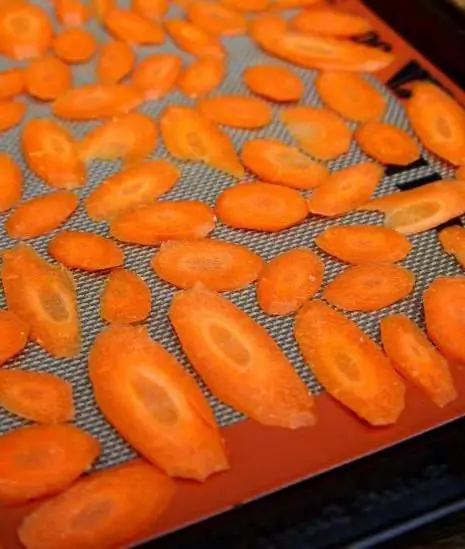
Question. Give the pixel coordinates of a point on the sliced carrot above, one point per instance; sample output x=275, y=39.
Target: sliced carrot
x=11, y=114
x=274, y=82
x=85, y=251
x=156, y=75
x=237, y=111
x=12, y=83
x=150, y=9
x=359, y=244
x=292, y=4
x=51, y=154
x=202, y=77
x=47, y=78
x=11, y=188
x=251, y=6
x=261, y=207
x=276, y=162
x=289, y=280
x=13, y=335
x=439, y=121
x=75, y=45
x=221, y=266
x=72, y=13
x=99, y=510
x=453, y=242
x=331, y=22
x=417, y=359
x=156, y=223
x=42, y=460
x=126, y=298
x=154, y=404
x=134, y=186
x=351, y=96
x=194, y=40
x=130, y=27
x=345, y=190
x=460, y=173
x=216, y=19
x=239, y=361
x=102, y=8
x=264, y=27
x=188, y=135
x=115, y=62
x=349, y=365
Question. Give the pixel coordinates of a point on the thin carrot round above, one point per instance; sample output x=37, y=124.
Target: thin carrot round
x=237, y=111
x=452, y=240
x=11, y=114
x=115, y=62
x=12, y=83
x=202, y=77
x=13, y=333
x=156, y=75
x=12, y=183
x=150, y=9
x=193, y=40
x=126, y=298
x=331, y=22
x=216, y=19
x=75, y=45
x=130, y=27
x=47, y=78
x=274, y=82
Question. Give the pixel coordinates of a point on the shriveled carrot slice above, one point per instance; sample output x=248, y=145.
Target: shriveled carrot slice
x=369, y=287
x=453, y=242
x=154, y=404
x=438, y=121
x=188, y=135
x=42, y=460
x=102, y=8
x=331, y=22
x=155, y=223
x=359, y=244
x=47, y=78
x=134, y=186
x=261, y=207
x=274, y=82
x=115, y=62
x=72, y=13
x=251, y=6
x=349, y=365
x=11, y=114
x=288, y=281
x=345, y=190
x=421, y=209
x=193, y=39
x=216, y=19
x=276, y=162
x=350, y=95
x=221, y=266
x=12, y=83
x=12, y=183
x=130, y=27
x=126, y=298
x=51, y=154
x=202, y=77
x=85, y=251
x=150, y=9
x=156, y=75
x=460, y=173
x=75, y=45
x=235, y=356
x=13, y=335
x=237, y=111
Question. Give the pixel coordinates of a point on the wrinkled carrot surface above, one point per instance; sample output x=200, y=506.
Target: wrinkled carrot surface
x=130, y=27
x=72, y=13
x=216, y=19
x=11, y=114
x=115, y=62
x=453, y=242
x=12, y=83
x=12, y=183
x=13, y=335
x=156, y=75
x=194, y=40
x=150, y=9
x=237, y=111
x=330, y=22
x=274, y=82
x=47, y=78
x=202, y=77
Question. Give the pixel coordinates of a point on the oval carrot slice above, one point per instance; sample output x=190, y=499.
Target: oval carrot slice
x=155, y=223
x=126, y=298
x=47, y=78
x=345, y=190
x=351, y=96
x=331, y=22
x=130, y=27
x=261, y=207
x=318, y=132
x=194, y=40
x=150, y=9
x=134, y=186
x=101, y=8
x=189, y=135
x=216, y=19
x=36, y=396
x=369, y=287
x=274, y=82
x=11, y=188
x=349, y=365
x=115, y=62
x=74, y=45
x=42, y=460
x=251, y=6
x=156, y=75
x=72, y=13
x=137, y=383
x=276, y=162
x=234, y=356
x=289, y=280
x=237, y=111
x=11, y=114
x=202, y=77
x=358, y=244
x=12, y=83
x=13, y=335
x=453, y=242
x=221, y=266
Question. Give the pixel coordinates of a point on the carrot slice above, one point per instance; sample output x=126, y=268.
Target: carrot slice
x=156, y=75
x=359, y=244
x=150, y=9
x=42, y=460
x=115, y=62
x=154, y=404
x=345, y=190
x=194, y=40
x=351, y=96
x=12, y=83
x=13, y=335
x=261, y=207
x=453, y=242
x=235, y=356
x=12, y=183
x=189, y=135
x=202, y=77
x=130, y=27
x=99, y=510
x=51, y=154
x=85, y=251
x=126, y=298
x=460, y=173
x=331, y=22
x=47, y=78
x=75, y=45
x=155, y=223
x=292, y=4
x=71, y=13
x=274, y=82
x=11, y=114
x=221, y=266
x=369, y=287
x=289, y=280
x=216, y=19
x=439, y=122
x=421, y=209
x=251, y=6
x=276, y=162
x=102, y=8
x=349, y=365
x=237, y=111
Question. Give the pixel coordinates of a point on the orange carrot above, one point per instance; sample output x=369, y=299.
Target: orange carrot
x=130, y=27
x=47, y=78
x=150, y=9
x=331, y=22
x=202, y=77
x=12, y=83
x=453, y=242
x=460, y=173
x=216, y=19
x=274, y=82
x=292, y=4
x=101, y=8
x=115, y=62
x=250, y=6
x=11, y=114
x=237, y=111
x=194, y=40
x=156, y=75
x=72, y=13
x=12, y=183
x=13, y=335
x=126, y=298
x=75, y=45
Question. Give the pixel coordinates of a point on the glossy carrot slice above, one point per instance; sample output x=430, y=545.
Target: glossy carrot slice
x=72, y=13
x=115, y=62
x=75, y=45
x=349, y=365
x=150, y=9
x=276, y=162
x=156, y=223
x=156, y=75
x=331, y=22
x=102, y=8
x=453, y=242
x=235, y=356
x=439, y=121
x=237, y=111
x=42, y=460
x=345, y=190
x=216, y=19
x=47, y=78
x=126, y=298
x=274, y=82
x=51, y=154
x=358, y=244
x=12, y=183
x=261, y=207
x=11, y=114
x=289, y=280
x=351, y=96
x=202, y=77
x=12, y=83
x=251, y=6
x=154, y=404
x=188, y=135
x=194, y=40
x=13, y=335
x=130, y=27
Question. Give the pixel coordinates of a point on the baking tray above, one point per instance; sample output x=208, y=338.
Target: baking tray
x=263, y=459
